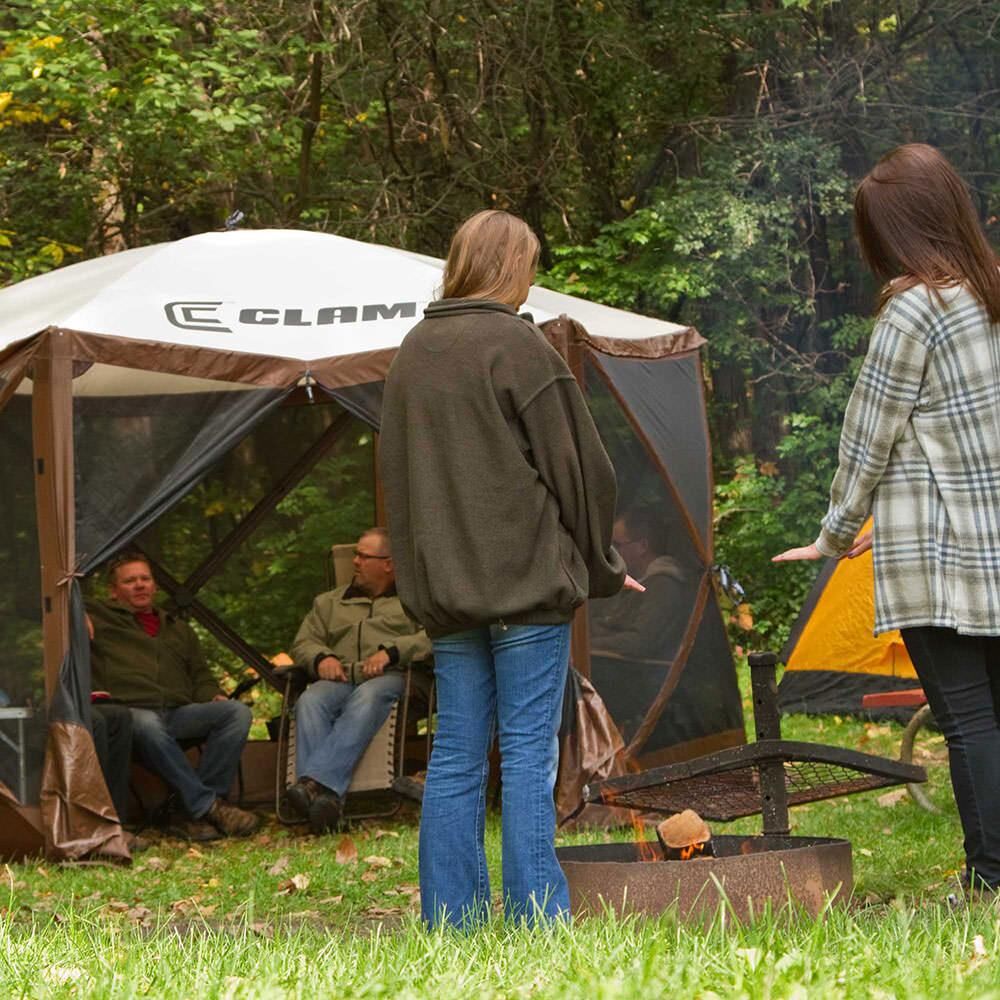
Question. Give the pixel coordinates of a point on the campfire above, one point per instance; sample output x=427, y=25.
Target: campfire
x=685, y=836
x=699, y=873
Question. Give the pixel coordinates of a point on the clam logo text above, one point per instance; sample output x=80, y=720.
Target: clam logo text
x=206, y=315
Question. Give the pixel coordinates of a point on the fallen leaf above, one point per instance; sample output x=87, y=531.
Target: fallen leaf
x=864, y=850
x=347, y=851
x=332, y=899
x=369, y=876
x=262, y=928
x=44, y=872
x=118, y=906
x=156, y=864
x=264, y=839
x=385, y=833
x=891, y=798
x=297, y=883
x=408, y=889
x=280, y=866
x=377, y=861
x=979, y=947
x=383, y=911
x=193, y=852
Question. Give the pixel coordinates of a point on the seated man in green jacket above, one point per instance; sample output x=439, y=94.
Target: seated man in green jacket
x=152, y=662
x=354, y=644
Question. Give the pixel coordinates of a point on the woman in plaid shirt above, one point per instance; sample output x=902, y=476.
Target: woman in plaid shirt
x=920, y=449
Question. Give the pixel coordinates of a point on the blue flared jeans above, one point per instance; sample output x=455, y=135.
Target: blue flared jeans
x=507, y=681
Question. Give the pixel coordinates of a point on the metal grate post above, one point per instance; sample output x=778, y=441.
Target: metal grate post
x=767, y=723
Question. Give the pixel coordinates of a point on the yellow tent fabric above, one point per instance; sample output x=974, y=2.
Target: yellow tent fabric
x=836, y=633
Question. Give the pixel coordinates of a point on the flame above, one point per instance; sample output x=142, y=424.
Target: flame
x=647, y=852
x=687, y=853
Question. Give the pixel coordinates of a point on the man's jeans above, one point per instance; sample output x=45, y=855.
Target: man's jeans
x=336, y=720
x=221, y=725
x=961, y=678
x=512, y=679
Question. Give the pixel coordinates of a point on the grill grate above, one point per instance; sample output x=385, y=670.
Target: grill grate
x=727, y=785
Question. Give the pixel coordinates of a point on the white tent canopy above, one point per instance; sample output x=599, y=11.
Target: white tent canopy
x=281, y=293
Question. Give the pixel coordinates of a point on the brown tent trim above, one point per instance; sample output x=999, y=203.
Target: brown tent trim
x=673, y=677
x=14, y=365
x=264, y=370
x=20, y=828
x=666, y=345
x=77, y=815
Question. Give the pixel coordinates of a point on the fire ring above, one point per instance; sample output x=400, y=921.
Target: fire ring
x=746, y=874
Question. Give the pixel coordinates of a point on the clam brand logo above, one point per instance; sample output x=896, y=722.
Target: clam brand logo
x=213, y=317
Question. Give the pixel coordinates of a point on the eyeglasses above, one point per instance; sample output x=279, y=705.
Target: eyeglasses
x=365, y=555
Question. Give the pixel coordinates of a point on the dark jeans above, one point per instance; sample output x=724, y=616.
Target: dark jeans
x=961, y=678
x=112, y=730
x=222, y=727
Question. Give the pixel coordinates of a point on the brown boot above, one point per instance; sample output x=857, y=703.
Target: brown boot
x=302, y=793
x=230, y=820
x=198, y=831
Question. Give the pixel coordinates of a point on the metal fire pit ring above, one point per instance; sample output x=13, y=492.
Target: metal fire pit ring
x=746, y=874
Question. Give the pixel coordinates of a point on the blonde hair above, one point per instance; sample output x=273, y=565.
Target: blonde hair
x=493, y=255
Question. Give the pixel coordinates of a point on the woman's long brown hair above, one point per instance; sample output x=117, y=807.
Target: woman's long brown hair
x=916, y=225
x=493, y=255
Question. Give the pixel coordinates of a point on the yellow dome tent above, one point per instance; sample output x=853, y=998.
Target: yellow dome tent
x=832, y=657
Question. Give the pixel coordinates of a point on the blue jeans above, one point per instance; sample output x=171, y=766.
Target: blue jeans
x=334, y=723
x=222, y=727
x=961, y=678
x=493, y=679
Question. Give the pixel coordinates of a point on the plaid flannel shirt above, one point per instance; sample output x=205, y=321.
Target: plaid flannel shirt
x=920, y=448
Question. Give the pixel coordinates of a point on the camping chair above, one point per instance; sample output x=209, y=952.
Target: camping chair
x=385, y=758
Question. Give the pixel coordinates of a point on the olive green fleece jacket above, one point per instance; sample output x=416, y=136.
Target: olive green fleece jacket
x=138, y=669
x=347, y=623
x=499, y=493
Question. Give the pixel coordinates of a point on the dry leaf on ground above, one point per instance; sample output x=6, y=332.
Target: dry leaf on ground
x=297, y=883
x=347, y=851
x=156, y=864
x=280, y=866
x=377, y=861
x=891, y=798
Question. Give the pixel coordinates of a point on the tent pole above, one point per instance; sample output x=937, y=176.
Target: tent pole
x=302, y=467
x=55, y=505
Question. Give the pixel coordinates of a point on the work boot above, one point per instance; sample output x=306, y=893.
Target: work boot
x=232, y=821
x=198, y=831
x=301, y=795
x=410, y=786
x=326, y=812
x=135, y=843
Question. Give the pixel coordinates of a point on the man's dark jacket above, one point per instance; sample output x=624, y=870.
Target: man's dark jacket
x=138, y=669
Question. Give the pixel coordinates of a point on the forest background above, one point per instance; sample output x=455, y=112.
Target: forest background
x=689, y=160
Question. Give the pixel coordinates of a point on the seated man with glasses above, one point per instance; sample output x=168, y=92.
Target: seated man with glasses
x=355, y=644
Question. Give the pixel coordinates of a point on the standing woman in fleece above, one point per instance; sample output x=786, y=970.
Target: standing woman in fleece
x=920, y=448
x=501, y=503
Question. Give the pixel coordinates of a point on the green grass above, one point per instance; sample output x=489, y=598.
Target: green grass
x=228, y=921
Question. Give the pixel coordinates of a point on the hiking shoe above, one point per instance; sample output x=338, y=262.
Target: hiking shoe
x=301, y=795
x=410, y=787
x=326, y=812
x=232, y=821
x=197, y=830
x=136, y=844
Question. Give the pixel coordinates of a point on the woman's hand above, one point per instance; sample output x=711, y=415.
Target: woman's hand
x=795, y=555
x=632, y=584
x=861, y=544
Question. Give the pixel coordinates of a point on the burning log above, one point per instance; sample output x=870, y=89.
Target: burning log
x=685, y=836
